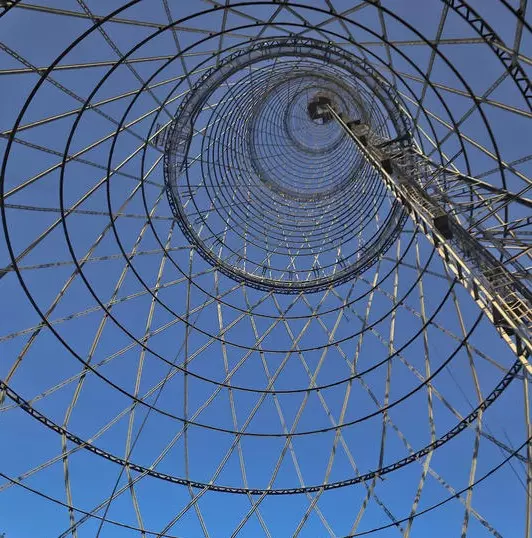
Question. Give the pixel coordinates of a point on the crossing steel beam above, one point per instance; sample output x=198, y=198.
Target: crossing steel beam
x=498, y=291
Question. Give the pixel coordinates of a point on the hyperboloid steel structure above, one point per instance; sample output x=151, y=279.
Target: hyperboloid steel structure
x=266, y=268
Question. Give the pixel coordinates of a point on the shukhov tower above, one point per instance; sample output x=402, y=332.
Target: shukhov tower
x=265, y=268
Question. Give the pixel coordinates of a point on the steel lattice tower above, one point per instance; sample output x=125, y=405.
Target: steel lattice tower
x=266, y=268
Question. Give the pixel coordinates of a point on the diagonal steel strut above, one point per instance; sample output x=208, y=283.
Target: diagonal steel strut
x=497, y=291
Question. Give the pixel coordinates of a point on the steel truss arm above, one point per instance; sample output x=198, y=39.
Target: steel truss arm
x=505, y=300
x=465, y=181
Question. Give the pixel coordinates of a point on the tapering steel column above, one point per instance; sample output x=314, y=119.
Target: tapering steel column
x=498, y=292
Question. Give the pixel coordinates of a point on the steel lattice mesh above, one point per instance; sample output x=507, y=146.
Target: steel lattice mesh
x=217, y=320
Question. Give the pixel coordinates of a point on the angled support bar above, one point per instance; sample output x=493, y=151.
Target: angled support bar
x=501, y=296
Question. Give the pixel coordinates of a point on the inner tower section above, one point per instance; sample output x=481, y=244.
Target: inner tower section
x=266, y=184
